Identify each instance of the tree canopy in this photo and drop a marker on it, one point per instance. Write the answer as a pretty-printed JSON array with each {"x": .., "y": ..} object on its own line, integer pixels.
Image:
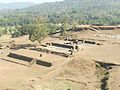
[{"x": 104, "y": 12}]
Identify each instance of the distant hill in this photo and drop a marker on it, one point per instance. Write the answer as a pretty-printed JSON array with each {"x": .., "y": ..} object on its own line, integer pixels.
[
  {"x": 85, "y": 11},
  {"x": 104, "y": 12},
  {"x": 17, "y": 5},
  {"x": 76, "y": 5}
]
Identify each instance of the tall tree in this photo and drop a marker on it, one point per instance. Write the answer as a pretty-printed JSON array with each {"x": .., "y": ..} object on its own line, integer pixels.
[
  {"x": 64, "y": 27},
  {"x": 40, "y": 31},
  {"x": 74, "y": 25}
]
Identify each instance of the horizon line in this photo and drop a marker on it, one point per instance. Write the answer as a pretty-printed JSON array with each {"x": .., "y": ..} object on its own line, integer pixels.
[{"x": 30, "y": 2}]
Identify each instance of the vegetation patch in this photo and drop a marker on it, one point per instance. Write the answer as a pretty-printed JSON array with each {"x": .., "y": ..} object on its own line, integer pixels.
[{"x": 104, "y": 68}]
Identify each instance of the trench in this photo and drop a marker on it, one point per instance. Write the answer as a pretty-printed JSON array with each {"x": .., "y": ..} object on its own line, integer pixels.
[{"x": 105, "y": 67}]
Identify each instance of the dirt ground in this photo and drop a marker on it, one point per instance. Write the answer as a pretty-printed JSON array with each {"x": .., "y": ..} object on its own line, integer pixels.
[{"x": 77, "y": 73}]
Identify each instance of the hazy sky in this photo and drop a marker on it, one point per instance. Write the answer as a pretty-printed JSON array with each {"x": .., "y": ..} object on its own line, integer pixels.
[{"x": 36, "y": 1}]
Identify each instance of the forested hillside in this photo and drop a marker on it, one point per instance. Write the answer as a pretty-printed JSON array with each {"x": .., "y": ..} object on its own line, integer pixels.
[
  {"x": 83, "y": 11},
  {"x": 104, "y": 12}
]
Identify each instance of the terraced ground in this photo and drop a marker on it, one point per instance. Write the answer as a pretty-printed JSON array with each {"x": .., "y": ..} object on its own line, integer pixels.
[{"x": 95, "y": 67}]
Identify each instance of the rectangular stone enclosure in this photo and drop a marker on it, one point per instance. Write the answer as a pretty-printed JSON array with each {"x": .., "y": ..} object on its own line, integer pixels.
[{"x": 20, "y": 55}]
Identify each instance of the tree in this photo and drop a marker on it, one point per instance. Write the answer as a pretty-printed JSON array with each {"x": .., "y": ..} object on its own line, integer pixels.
[
  {"x": 0, "y": 33},
  {"x": 22, "y": 30},
  {"x": 74, "y": 26},
  {"x": 64, "y": 28},
  {"x": 39, "y": 32},
  {"x": 52, "y": 28}
]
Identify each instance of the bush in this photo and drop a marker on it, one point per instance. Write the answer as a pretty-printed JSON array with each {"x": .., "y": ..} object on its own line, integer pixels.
[
  {"x": 0, "y": 33},
  {"x": 16, "y": 34}
]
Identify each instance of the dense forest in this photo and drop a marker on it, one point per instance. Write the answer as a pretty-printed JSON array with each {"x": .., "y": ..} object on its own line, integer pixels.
[
  {"x": 105, "y": 12},
  {"x": 83, "y": 11},
  {"x": 100, "y": 12}
]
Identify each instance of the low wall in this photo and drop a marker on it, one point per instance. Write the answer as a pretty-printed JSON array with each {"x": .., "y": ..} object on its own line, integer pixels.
[
  {"x": 79, "y": 41},
  {"x": 75, "y": 40},
  {"x": 105, "y": 27},
  {"x": 90, "y": 42},
  {"x": 81, "y": 29},
  {"x": 28, "y": 59},
  {"x": 52, "y": 52},
  {"x": 20, "y": 57},
  {"x": 15, "y": 46},
  {"x": 43, "y": 63},
  {"x": 63, "y": 45}
]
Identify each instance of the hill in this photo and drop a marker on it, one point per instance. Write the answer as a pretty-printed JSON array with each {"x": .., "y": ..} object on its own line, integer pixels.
[
  {"x": 77, "y": 5},
  {"x": 102, "y": 12},
  {"x": 84, "y": 11}
]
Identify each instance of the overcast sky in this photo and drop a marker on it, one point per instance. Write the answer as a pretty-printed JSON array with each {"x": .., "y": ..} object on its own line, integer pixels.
[{"x": 35, "y": 1}]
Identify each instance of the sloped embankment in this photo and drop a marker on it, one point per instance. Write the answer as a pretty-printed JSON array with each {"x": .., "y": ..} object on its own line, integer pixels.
[
  {"x": 87, "y": 73},
  {"x": 103, "y": 74},
  {"x": 78, "y": 74},
  {"x": 81, "y": 72}
]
